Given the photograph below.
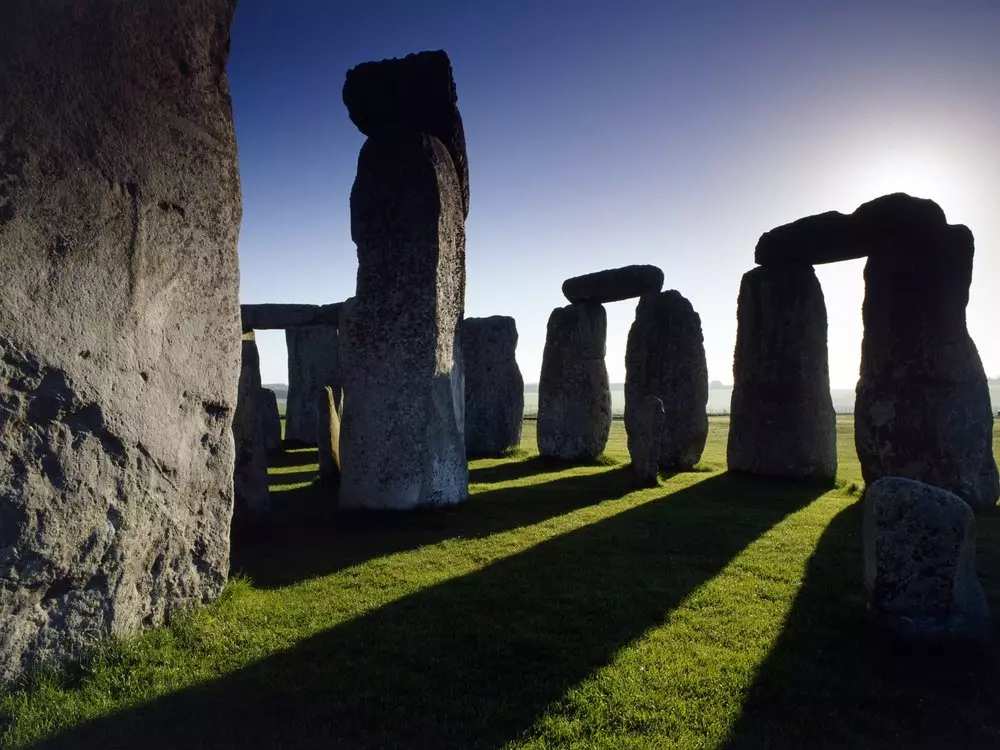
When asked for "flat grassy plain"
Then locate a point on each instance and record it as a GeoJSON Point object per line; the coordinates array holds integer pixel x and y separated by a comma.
{"type": "Point", "coordinates": [559, 607]}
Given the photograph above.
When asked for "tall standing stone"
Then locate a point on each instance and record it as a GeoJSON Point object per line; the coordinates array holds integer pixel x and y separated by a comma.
{"type": "Point", "coordinates": [328, 435]}
{"type": "Point", "coordinates": [665, 358]}
{"type": "Point", "coordinates": [270, 420]}
{"type": "Point", "coordinates": [119, 318]}
{"type": "Point", "coordinates": [920, 562]}
{"type": "Point", "coordinates": [923, 405]}
{"type": "Point", "coordinates": [494, 388]}
{"type": "Point", "coordinates": [313, 364]}
{"type": "Point", "coordinates": [402, 438]}
{"type": "Point", "coordinates": [782, 421]}
{"type": "Point", "coordinates": [252, 496]}
{"type": "Point", "coordinates": [574, 395]}
{"type": "Point", "coordinates": [648, 419]}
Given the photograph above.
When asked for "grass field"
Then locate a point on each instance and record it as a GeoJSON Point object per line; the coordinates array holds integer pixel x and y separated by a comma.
{"type": "Point", "coordinates": [557, 608]}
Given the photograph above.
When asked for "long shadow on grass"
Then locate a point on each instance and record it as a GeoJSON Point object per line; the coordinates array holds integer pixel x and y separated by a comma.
{"type": "Point", "coordinates": [831, 682]}
{"type": "Point", "coordinates": [509, 471]}
{"type": "Point", "coordinates": [474, 661]}
{"type": "Point", "coordinates": [308, 537]}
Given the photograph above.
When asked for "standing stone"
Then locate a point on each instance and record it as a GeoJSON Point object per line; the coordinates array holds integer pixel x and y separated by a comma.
{"type": "Point", "coordinates": [920, 562]}
{"type": "Point", "coordinates": [782, 421]}
{"type": "Point", "coordinates": [574, 396]}
{"type": "Point", "coordinates": [250, 486]}
{"type": "Point", "coordinates": [665, 358]}
{"type": "Point", "coordinates": [328, 436]}
{"type": "Point", "coordinates": [119, 319]}
{"type": "Point", "coordinates": [648, 420]}
{"type": "Point", "coordinates": [402, 438]}
{"type": "Point", "coordinates": [494, 388]}
{"type": "Point", "coordinates": [416, 92]}
{"type": "Point", "coordinates": [923, 404]}
{"type": "Point", "coordinates": [313, 363]}
{"type": "Point", "coordinates": [270, 420]}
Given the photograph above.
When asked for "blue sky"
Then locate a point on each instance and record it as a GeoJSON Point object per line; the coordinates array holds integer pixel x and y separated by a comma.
{"type": "Point", "coordinates": [603, 134]}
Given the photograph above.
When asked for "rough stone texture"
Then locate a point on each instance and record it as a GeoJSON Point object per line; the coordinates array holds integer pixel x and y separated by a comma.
{"type": "Point", "coordinates": [648, 420]}
{"type": "Point", "coordinates": [403, 426]}
{"type": "Point", "coordinates": [782, 421]}
{"type": "Point", "coordinates": [920, 562]}
{"type": "Point", "coordinates": [250, 486]}
{"type": "Point", "coordinates": [923, 406]}
{"type": "Point", "coordinates": [833, 236]}
{"type": "Point", "coordinates": [574, 396]}
{"type": "Point", "coordinates": [614, 284]}
{"type": "Point", "coordinates": [665, 357]}
{"type": "Point", "coordinates": [494, 388]}
{"type": "Point", "coordinates": [313, 363]}
{"type": "Point", "coordinates": [416, 92]}
{"type": "Point", "coordinates": [119, 318]}
{"type": "Point", "coordinates": [328, 435]}
{"type": "Point", "coordinates": [280, 317]}
{"type": "Point", "coordinates": [270, 420]}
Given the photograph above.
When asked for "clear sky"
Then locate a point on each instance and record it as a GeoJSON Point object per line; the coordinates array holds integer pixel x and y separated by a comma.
{"type": "Point", "coordinates": [607, 133]}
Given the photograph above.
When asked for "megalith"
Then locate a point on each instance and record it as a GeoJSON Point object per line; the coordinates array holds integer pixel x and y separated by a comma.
{"type": "Point", "coordinates": [920, 562]}
{"type": "Point", "coordinates": [119, 319]}
{"type": "Point", "coordinates": [648, 419]}
{"type": "Point", "coordinates": [402, 442]}
{"type": "Point", "coordinates": [328, 435]}
{"type": "Point", "coordinates": [250, 486]}
{"type": "Point", "coordinates": [313, 364]}
{"type": "Point", "coordinates": [614, 284]}
{"type": "Point", "coordinates": [665, 358]}
{"type": "Point", "coordinates": [574, 395]}
{"type": "Point", "coordinates": [270, 420]}
{"type": "Point", "coordinates": [782, 421]}
{"type": "Point", "coordinates": [923, 406]}
{"type": "Point", "coordinates": [494, 388]}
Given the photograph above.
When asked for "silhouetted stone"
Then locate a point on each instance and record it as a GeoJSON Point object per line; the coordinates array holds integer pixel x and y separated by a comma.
{"type": "Point", "coordinates": [417, 92]}
{"type": "Point", "coordinates": [402, 439]}
{"type": "Point", "coordinates": [280, 317]}
{"type": "Point", "coordinates": [119, 343]}
{"type": "Point", "coordinates": [313, 363]}
{"type": "Point", "coordinates": [665, 358]}
{"type": "Point", "coordinates": [328, 435]}
{"type": "Point", "coordinates": [270, 420]}
{"type": "Point", "coordinates": [250, 486]}
{"type": "Point", "coordinates": [614, 284]}
{"type": "Point", "coordinates": [494, 388]}
{"type": "Point", "coordinates": [833, 236]}
{"type": "Point", "coordinates": [574, 396]}
{"type": "Point", "coordinates": [647, 421]}
{"type": "Point", "coordinates": [920, 562]}
{"type": "Point", "coordinates": [782, 421]}
{"type": "Point", "coordinates": [923, 406]}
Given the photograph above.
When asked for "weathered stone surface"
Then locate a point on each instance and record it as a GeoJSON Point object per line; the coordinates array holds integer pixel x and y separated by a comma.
{"type": "Point", "coordinates": [328, 435]}
{"type": "Point", "coordinates": [782, 421]}
{"type": "Point", "coordinates": [313, 363]}
{"type": "Point", "coordinates": [280, 316]}
{"type": "Point", "coordinates": [614, 284]}
{"type": "Point", "coordinates": [648, 419]}
{"type": "Point", "coordinates": [494, 388]}
{"type": "Point", "coordinates": [402, 439]}
{"type": "Point", "coordinates": [923, 406]}
{"type": "Point", "coordinates": [574, 396]}
{"type": "Point", "coordinates": [416, 92]}
{"type": "Point", "coordinates": [665, 357]}
{"type": "Point", "coordinates": [270, 420]}
{"type": "Point", "coordinates": [250, 486]}
{"type": "Point", "coordinates": [119, 318]}
{"type": "Point", "coordinates": [833, 236]}
{"type": "Point", "coordinates": [920, 562]}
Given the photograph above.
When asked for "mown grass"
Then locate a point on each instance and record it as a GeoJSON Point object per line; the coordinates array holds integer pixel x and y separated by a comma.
{"type": "Point", "coordinates": [559, 607]}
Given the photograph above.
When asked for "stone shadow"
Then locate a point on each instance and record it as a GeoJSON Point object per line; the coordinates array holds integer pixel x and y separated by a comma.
{"type": "Point", "coordinates": [473, 661]}
{"type": "Point", "coordinates": [832, 681]}
{"type": "Point", "coordinates": [510, 471]}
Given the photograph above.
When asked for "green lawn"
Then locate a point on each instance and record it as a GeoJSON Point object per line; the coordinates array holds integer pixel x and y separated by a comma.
{"type": "Point", "coordinates": [557, 608]}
